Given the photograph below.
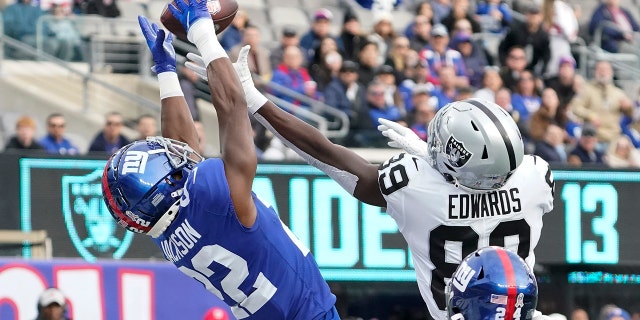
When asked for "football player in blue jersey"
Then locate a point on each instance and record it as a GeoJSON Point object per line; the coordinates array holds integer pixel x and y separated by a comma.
{"type": "Point", "coordinates": [202, 213]}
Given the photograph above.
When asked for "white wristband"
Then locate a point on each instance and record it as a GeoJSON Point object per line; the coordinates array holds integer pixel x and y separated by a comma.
{"type": "Point", "coordinates": [255, 99]}
{"type": "Point", "coordinates": [203, 34]}
{"type": "Point", "coordinates": [169, 85]}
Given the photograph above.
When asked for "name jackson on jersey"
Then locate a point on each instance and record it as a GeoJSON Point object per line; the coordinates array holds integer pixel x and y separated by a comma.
{"type": "Point", "coordinates": [494, 203]}
{"type": "Point", "coordinates": [177, 245]}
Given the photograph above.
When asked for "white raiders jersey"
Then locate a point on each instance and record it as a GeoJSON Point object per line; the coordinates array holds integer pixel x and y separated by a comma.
{"type": "Point", "coordinates": [442, 224]}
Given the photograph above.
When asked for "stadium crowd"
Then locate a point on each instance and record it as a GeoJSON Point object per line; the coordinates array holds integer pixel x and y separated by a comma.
{"type": "Point", "coordinates": [518, 57]}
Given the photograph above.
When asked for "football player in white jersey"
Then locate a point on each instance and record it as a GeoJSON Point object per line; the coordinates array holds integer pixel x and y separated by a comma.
{"type": "Point", "coordinates": [470, 187]}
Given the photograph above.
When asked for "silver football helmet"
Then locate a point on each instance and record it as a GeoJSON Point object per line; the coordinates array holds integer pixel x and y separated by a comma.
{"type": "Point", "coordinates": [475, 144]}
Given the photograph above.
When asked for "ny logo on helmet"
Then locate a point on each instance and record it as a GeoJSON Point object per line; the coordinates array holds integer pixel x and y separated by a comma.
{"type": "Point", "coordinates": [457, 154]}
{"type": "Point", "coordinates": [135, 162]}
{"type": "Point", "coordinates": [91, 228]}
{"type": "Point", "coordinates": [463, 276]}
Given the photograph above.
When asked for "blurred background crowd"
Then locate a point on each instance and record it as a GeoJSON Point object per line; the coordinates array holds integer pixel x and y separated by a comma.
{"type": "Point", "coordinates": [518, 54]}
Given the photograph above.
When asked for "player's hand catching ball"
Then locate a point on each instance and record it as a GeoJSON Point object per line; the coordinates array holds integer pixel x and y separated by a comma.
{"type": "Point", "coordinates": [162, 51]}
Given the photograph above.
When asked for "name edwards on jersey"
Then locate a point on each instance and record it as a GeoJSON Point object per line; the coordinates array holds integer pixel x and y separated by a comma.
{"type": "Point", "coordinates": [494, 203]}
{"type": "Point", "coordinates": [177, 245]}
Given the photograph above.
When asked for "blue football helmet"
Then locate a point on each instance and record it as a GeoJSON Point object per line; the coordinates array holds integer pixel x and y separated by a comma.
{"type": "Point", "coordinates": [142, 183]}
{"type": "Point", "coordinates": [492, 283]}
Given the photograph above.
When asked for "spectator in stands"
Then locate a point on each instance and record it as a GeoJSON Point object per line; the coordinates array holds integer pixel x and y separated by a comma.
{"type": "Point", "coordinates": [503, 99]}
{"type": "Point", "coordinates": [63, 35]}
{"type": "Point", "coordinates": [419, 92]}
{"type": "Point", "coordinates": [345, 93]}
{"type": "Point", "coordinates": [491, 82]}
{"type": "Point", "coordinates": [441, 9]}
{"type": "Point", "coordinates": [416, 74]}
{"type": "Point", "coordinates": [258, 58]}
{"type": "Point", "coordinates": [398, 56]}
{"type": "Point", "coordinates": [515, 64]}
{"type": "Point", "coordinates": [52, 305]}
{"type": "Point", "coordinates": [188, 79]}
{"type": "Point", "coordinates": [473, 56]}
{"type": "Point", "coordinates": [351, 36]}
{"type": "Point", "coordinates": [543, 117]}
{"type": "Point", "coordinates": [585, 152]}
{"type": "Point", "coordinates": [423, 8]}
{"type": "Point", "coordinates": [616, 25]}
{"type": "Point", "coordinates": [493, 15]}
{"type": "Point", "coordinates": [526, 99]}
{"type": "Point", "coordinates": [233, 35]}
{"type": "Point", "coordinates": [55, 142]}
{"type": "Point", "coordinates": [19, 22]}
{"type": "Point", "coordinates": [147, 126]}
{"type": "Point", "coordinates": [603, 104]}
{"type": "Point", "coordinates": [110, 138]}
{"type": "Point", "coordinates": [421, 33]}
{"type": "Point", "coordinates": [320, 29]}
{"type": "Point", "coordinates": [387, 76]}
{"type": "Point", "coordinates": [531, 36]}
{"type": "Point", "coordinates": [622, 154]}
{"type": "Point", "coordinates": [561, 23]}
{"type": "Point", "coordinates": [369, 63]}
{"type": "Point", "coordinates": [424, 112]}
{"type": "Point", "coordinates": [382, 33]}
{"type": "Point", "coordinates": [438, 54]}
{"type": "Point", "coordinates": [377, 107]}
{"type": "Point", "coordinates": [579, 314]}
{"type": "Point", "coordinates": [551, 147]}
{"type": "Point", "coordinates": [293, 76]}
{"type": "Point", "coordinates": [447, 91]}
{"type": "Point", "coordinates": [289, 38]}
{"type": "Point", "coordinates": [24, 138]}
{"type": "Point", "coordinates": [566, 84]}
{"type": "Point", "coordinates": [460, 10]}
{"type": "Point", "coordinates": [105, 8]}
{"type": "Point", "coordinates": [319, 69]}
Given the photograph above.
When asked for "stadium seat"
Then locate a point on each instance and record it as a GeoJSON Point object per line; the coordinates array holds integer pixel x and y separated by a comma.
{"type": "Point", "coordinates": [257, 16]}
{"type": "Point", "coordinates": [251, 4]}
{"type": "Point", "coordinates": [130, 9]}
{"type": "Point", "coordinates": [284, 3]}
{"type": "Point", "coordinates": [292, 16]}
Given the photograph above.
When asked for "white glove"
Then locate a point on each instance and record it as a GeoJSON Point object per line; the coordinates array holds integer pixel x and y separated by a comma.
{"type": "Point", "coordinates": [255, 99]}
{"type": "Point", "coordinates": [404, 138]}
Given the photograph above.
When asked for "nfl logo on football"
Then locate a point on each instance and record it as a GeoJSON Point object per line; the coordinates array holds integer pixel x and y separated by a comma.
{"type": "Point", "coordinates": [213, 6]}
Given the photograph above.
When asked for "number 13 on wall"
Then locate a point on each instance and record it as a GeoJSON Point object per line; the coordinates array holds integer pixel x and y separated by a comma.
{"type": "Point", "coordinates": [579, 200]}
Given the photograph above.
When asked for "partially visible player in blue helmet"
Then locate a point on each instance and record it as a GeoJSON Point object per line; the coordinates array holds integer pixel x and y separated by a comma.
{"type": "Point", "coordinates": [492, 283]}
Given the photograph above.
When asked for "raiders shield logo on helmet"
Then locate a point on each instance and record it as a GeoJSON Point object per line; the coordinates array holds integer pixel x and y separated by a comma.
{"type": "Point", "coordinates": [457, 154]}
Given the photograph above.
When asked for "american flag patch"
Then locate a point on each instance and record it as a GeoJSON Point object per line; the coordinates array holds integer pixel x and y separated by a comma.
{"type": "Point", "coordinates": [498, 299]}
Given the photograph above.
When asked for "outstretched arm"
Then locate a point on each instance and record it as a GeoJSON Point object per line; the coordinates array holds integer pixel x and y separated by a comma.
{"type": "Point", "coordinates": [352, 172]}
{"type": "Point", "coordinates": [176, 121]}
{"type": "Point", "coordinates": [227, 96]}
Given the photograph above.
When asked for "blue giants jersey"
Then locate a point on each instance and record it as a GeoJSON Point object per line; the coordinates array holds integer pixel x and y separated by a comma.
{"type": "Point", "coordinates": [262, 272]}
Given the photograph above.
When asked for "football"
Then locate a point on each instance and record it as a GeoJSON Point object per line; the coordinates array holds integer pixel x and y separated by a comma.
{"type": "Point", "coordinates": [222, 12]}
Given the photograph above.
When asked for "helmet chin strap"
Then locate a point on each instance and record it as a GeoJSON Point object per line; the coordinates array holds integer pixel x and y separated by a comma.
{"type": "Point", "coordinates": [165, 220]}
